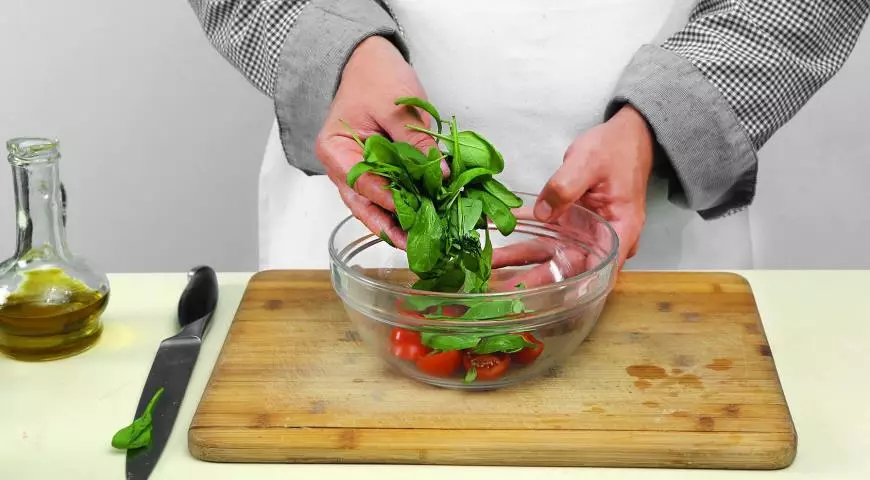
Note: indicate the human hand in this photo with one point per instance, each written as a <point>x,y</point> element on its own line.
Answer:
<point>606,169</point>
<point>376,75</point>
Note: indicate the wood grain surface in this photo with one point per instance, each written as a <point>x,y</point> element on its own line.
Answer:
<point>677,373</point>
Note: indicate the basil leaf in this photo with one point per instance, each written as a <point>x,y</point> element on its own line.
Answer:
<point>424,239</point>
<point>138,433</point>
<point>446,343</point>
<point>466,178</point>
<point>423,104</point>
<point>432,176</point>
<point>383,236</point>
<point>503,218</point>
<point>356,171</point>
<point>414,161</point>
<point>457,168</point>
<point>472,282</point>
<point>476,151</point>
<point>509,343</point>
<point>471,210</point>
<point>493,309</point>
<point>470,375</point>
<point>405,210</point>
<point>486,257</point>
<point>499,191</point>
<point>379,150</point>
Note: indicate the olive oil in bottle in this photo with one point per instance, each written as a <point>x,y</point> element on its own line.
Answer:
<point>50,316</point>
<point>51,301</point>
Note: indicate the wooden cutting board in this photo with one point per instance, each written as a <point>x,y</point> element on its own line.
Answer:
<point>677,373</point>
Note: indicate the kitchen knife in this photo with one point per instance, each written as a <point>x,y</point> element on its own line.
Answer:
<point>172,367</point>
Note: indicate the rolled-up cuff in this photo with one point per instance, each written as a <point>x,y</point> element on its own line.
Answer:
<point>701,143</point>
<point>310,66</point>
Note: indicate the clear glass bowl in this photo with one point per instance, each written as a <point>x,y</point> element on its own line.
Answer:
<point>549,284</point>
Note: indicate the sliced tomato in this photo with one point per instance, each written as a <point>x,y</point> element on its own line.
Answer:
<point>489,366</point>
<point>405,312</point>
<point>529,354</point>
<point>403,335</point>
<point>442,364</point>
<point>409,351</point>
<point>453,311</point>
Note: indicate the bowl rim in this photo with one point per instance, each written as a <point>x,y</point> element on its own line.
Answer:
<point>608,260</point>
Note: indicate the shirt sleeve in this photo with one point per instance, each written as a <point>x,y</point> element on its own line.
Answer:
<point>294,51</point>
<point>719,88</point>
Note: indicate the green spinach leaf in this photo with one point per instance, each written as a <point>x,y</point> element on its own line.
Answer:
<point>497,211</point>
<point>509,343</point>
<point>424,239</point>
<point>423,104</point>
<point>499,191</point>
<point>446,343</point>
<point>138,433</point>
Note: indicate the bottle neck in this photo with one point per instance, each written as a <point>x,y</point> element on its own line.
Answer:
<point>39,211</point>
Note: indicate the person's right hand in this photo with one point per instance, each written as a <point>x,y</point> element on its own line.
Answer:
<point>375,76</point>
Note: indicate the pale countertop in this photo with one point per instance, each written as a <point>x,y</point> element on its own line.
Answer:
<point>57,418</point>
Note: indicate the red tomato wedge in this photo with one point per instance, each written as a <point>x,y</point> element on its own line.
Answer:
<point>409,351</point>
<point>402,335</point>
<point>529,354</point>
<point>489,366</point>
<point>441,364</point>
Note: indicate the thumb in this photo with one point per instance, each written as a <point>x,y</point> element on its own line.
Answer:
<point>566,186</point>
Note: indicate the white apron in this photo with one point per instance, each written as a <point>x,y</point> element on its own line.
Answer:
<point>533,76</point>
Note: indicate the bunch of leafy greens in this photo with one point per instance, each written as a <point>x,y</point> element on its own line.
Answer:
<point>442,215</point>
<point>138,433</point>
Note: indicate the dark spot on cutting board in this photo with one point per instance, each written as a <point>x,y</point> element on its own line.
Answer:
<point>690,381</point>
<point>318,406</point>
<point>642,384</point>
<point>680,414</point>
<point>553,372</point>
<point>731,410</point>
<point>351,336</point>
<point>706,424</point>
<point>596,410</point>
<point>637,336</point>
<point>663,306</point>
<point>651,404</point>
<point>347,440</point>
<point>691,316</point>
<point>274,304</point>
<point>676,371</point>
<point>684,361</point>
<point>646,371</point>
<point>751,328</point>
<point>720,364</point>
<point>764,350</point>
<point>262,420</point>
<point>359,380</point>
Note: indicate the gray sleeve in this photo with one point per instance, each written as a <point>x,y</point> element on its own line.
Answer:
<point>294,51</point>
<point>310,66</point>
<point>719,88</point>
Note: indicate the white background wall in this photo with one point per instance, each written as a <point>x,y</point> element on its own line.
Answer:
<point>162,141</point>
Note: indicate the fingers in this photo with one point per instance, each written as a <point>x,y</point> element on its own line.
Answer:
<point>373,217</point>
<point>570,182</point>
<point>564,263</point>
<point>534,251</point>
<point>628,231</point>
<point>396,126</point>
<point>339,154</point>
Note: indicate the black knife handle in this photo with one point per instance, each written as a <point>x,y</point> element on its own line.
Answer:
<point>199,298</point>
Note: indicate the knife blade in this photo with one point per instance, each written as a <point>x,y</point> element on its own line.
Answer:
<point>172,367</point>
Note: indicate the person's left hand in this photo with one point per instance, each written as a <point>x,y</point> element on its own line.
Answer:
<point>606,169</point>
